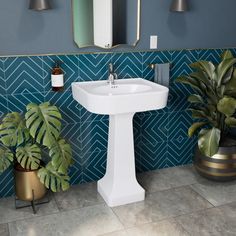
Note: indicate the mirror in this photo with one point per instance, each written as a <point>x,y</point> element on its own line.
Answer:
<point>106,23</point>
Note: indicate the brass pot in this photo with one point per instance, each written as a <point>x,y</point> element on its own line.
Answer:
<point>27,185</point>
<point>220,167</point>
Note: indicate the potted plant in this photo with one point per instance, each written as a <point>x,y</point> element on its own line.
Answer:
<point>23,138</point>
<point>213,106</point>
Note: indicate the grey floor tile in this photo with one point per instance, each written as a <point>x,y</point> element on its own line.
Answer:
<point>164,179</point>
<point>211,222</point>
<point>94,220</point>
<point>78,196</point>
<point>162,228</point>
<point>161,205</point>
<point>216,193</point>
<point>8,213</point>
<point>4,230</point>
<point>117,233</point>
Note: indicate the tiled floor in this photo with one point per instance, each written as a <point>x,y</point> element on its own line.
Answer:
<point>178,202</point>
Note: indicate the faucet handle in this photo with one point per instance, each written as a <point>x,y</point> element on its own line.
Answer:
<point>110,68</point>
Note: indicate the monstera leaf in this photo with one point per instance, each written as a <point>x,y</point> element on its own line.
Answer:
<point>208,141</point>
<point>44,123</point>
<point>52,179</point>
<point>61,155</point>
<point>29,156</point>
<point>6,158</point>
<point>13,131</point>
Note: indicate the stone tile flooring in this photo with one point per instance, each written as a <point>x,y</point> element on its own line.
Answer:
<point>178,202</point>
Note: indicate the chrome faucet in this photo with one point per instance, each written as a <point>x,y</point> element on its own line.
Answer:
<point>112,76</point>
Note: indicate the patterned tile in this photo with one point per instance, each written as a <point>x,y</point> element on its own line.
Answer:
<point>154,58</point>
<point>95,166</point>
<point>153,156</point>
<point>213,55</point>
<point>24,74</point>
<point>69,108</point>
<point>180,151</point>
<point>76,175</point>
<point>179,123</point>
<point>138,159</point>
<point>93,66</point>
<point>3,106</point>
<point>181,60</point>
<point>18,102</point>
<point>69,66</point>
<point>87,116</point>
<point>155,128</point>
<point>127,65</point>
<point>179,93</point>
<point>233,50</point>
<point>7,183</point>
<point>160,137</point>
<point>71,133</point>
<point>178,97</point>
<point>2,78</point>
<point>94,136</point>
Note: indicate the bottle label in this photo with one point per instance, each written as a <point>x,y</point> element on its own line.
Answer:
<point>57,80</point>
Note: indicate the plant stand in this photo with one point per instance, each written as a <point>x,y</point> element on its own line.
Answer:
<point>32,203</point>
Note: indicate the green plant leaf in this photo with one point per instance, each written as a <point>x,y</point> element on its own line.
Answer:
<point>189,81</point>
<point>44,123</point>
<point>206,66</point>
<point>198,114</point>
<point>194,98</point>
<point>52,179</point>
<point>29,156</point>
<point>227,106</point>
<point>227,54</point>
<point>230,86</point>
<point>195,127</point>
<point>61,155</point>
<point>13,131</point>
<point>230,121</point>
<point>223,68</point>
<point>228,76</point>
<point>208,141</point>
<point>201,76</point>
<point>6,158</point>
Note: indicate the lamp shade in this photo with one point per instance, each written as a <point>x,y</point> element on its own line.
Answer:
<point>179,5</point>
<point>39,5</point>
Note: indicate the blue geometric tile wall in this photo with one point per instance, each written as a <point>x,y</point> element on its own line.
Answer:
<point>160,136</point>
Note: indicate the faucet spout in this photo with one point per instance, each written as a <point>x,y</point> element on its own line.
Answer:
<point>112,76</point>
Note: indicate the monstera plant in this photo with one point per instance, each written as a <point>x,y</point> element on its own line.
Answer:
<point>213,102</point>
<point>23,138</point>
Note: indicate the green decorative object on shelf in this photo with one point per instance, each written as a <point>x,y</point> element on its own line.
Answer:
<point>24,137</point>
<point>213,107</point>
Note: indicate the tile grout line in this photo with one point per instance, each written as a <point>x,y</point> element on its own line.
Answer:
<point>203,196</point>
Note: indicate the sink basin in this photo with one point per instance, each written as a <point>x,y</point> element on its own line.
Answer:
<point>127,95</point>
<point>120,101</point>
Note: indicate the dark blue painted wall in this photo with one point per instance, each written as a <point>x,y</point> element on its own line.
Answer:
<point>209,24</point>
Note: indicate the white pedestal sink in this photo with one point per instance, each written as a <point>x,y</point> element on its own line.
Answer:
<point>120,101</point>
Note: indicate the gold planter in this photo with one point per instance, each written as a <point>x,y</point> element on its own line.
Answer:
<point>27,185</point>
<point>220,167</point>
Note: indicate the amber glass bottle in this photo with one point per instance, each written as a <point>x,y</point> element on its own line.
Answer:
<point>57,78</point>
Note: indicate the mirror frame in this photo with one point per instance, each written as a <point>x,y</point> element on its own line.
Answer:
<point>117,45</point>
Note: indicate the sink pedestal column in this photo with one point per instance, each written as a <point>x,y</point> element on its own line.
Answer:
<point>119,186</point>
